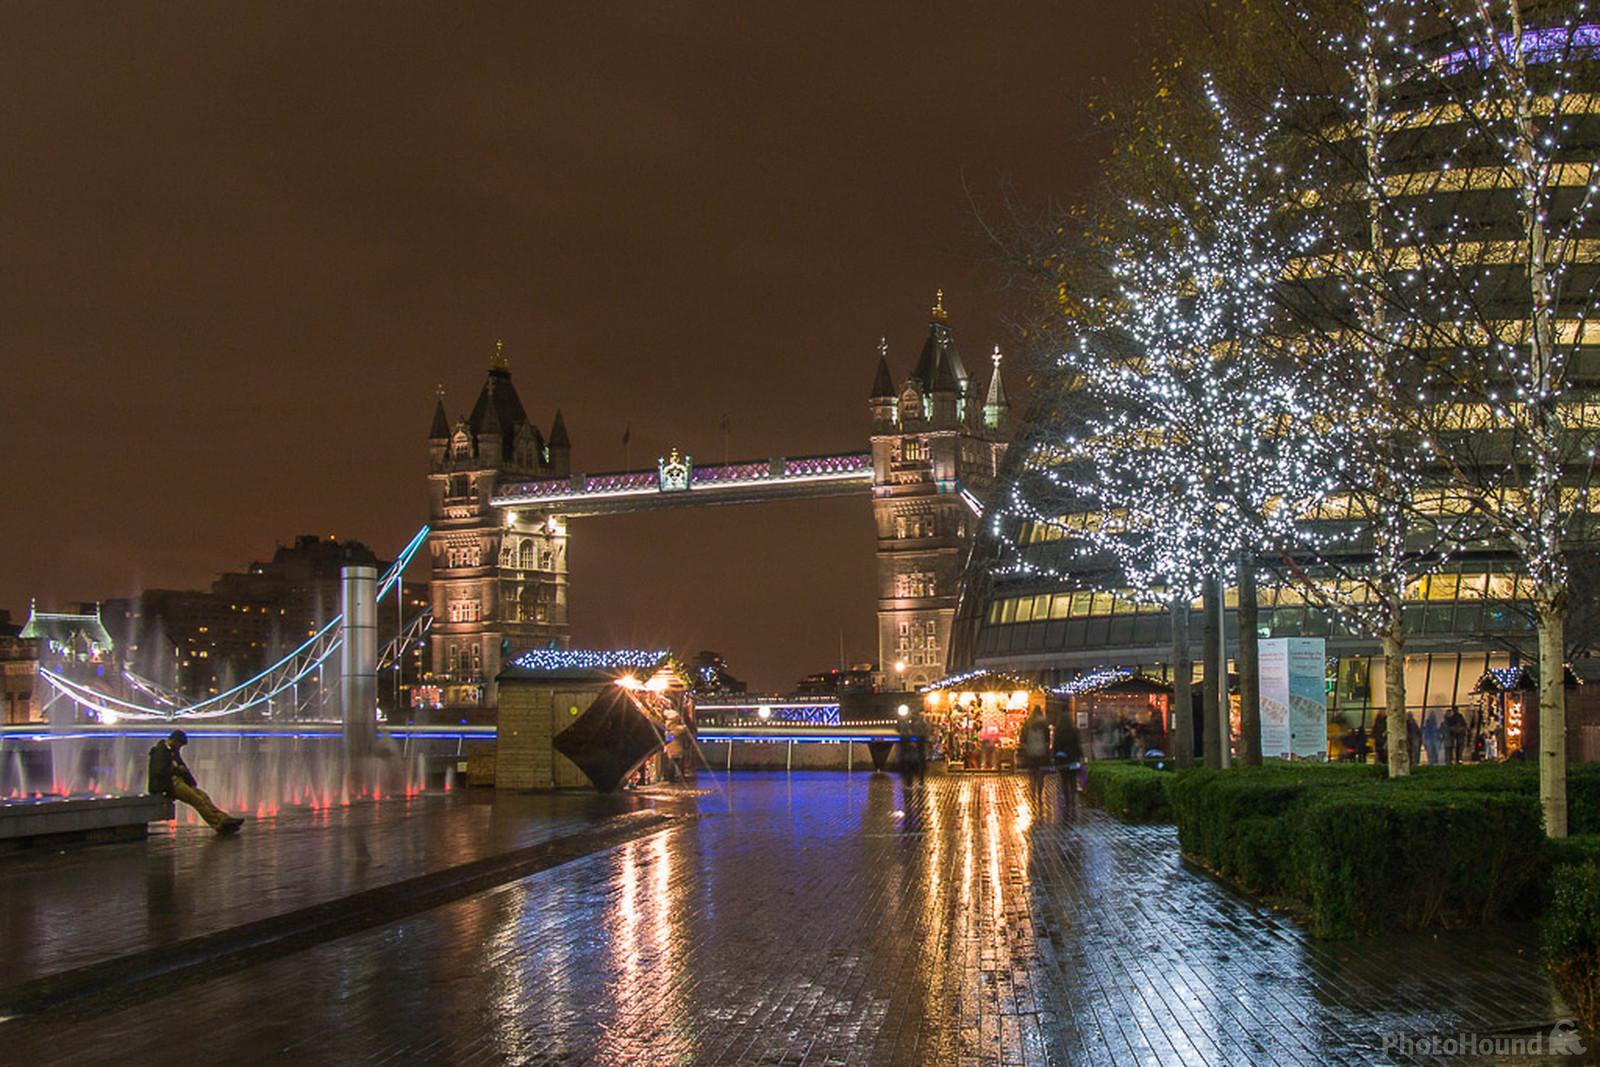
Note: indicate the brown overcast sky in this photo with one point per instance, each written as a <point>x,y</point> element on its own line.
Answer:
<point>241,243</point>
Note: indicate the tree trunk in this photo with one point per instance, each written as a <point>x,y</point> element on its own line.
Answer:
<point>1210,632</point>
<point>1394,694</point>
<point>1182,686</point>
<point>1249,662</point>
<point>1553,716</point>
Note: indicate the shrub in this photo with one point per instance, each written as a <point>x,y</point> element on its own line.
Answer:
<point>1361,854</point>
<point>1570,934</point>
<point>1210,807</point>
<point>1382,858</point>
<point>1521,776</point>
<point>1134,792</point>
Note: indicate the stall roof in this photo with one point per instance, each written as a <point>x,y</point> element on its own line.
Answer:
<point>1113,680</point>
<point>1517,680</point>
<point>981,681</point>
<point>587,664</point>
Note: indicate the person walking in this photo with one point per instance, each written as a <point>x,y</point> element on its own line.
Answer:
<point>1380,737</point>
<point>1413,740</point>
<point>919,743</point>
<point>1456,726</point>
<point>1035,745</point>
<point>911,751</point>
<point>1433,733</point>
<point>171,777</point>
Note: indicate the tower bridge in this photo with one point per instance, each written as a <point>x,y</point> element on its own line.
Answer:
<point>503,494</point>
<point>677,481</point>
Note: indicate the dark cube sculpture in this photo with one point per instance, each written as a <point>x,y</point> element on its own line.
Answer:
<point>610,739</point>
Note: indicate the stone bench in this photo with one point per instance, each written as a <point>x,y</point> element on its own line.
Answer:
<point>112,818</point>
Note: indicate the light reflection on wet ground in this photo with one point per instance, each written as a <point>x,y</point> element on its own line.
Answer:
<point>64,909</point>
<point>822,918</point>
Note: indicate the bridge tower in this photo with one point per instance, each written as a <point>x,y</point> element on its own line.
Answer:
<point>935,443</point>
<point>496,590</point>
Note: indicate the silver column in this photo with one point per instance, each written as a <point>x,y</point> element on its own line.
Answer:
<point>358,658</point>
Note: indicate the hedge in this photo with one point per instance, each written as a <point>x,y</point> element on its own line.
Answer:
<point>1376,859</point>
<point>1570,933</point>
<point>1131,791</point>
<point>1583,786</point>
<point>1360,855</point>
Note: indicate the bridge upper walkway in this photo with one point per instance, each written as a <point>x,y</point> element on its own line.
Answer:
<point>676,482</point>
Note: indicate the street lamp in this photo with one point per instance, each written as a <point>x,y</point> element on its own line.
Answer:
<point>900,673</point>
<point>902,711</point>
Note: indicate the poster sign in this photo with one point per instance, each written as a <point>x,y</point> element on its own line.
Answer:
<point>1274,663</point>
<point>1294,705</point>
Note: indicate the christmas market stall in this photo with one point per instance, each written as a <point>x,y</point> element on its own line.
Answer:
<point>977,716</point>
<point>1505,722</point>
<point>1119,714</point>
<point>577,717</point>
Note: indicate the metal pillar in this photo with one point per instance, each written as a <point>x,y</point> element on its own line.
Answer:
<point>358,658</point>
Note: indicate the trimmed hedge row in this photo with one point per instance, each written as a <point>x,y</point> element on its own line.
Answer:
<point>1360,855</point>
<point>1583,786</point>
<point>1569,932</point>
<point>1132,791</point>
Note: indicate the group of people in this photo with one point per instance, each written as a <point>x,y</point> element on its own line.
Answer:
<point>1446,737</point>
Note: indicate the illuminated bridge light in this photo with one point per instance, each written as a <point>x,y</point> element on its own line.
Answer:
<point>847,468</point>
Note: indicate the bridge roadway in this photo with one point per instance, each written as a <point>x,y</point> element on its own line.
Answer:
<point>675,482</point>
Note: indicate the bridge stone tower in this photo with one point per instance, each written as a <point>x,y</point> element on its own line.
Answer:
<point>935,443</point>
<point>495,590</point>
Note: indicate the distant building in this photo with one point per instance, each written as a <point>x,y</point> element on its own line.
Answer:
<point>711,675</point>
<point>835,681</point>
<point>496,592</point>
<point>74,644</point>
<point>200,642</point>
<point>19,660</point>
<point>937,443</point>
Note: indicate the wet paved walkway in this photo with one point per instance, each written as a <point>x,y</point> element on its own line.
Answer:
<point>830,919</point>
<point>66,909</point>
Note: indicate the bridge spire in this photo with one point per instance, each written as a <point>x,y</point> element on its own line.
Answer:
<point>994,407</point>
<point>441,424</point>
<point>498,360</point>
<point>939,313</point>
<point>883,383</point>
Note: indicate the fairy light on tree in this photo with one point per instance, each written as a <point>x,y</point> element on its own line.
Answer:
<point>1189,433</point>
<point>1481,276</point>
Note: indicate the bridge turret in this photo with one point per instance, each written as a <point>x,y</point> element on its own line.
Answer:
<point>560,448</point>
<point>490,431</point>
<point>882,399</point>
<point>947,394</point>
<point>996,408</point>
<point>439,435</point>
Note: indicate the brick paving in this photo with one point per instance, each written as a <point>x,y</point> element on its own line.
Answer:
<point>61,909</point>
<point>833,919</point>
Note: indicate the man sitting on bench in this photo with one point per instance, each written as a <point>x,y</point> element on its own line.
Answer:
<point>171,777</point>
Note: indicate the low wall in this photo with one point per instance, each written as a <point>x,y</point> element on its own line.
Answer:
<point>80,819</point>
<point>788,755</point>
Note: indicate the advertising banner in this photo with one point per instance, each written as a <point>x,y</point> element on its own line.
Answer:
<point>1274,677</point>
<point>1308,697</point>
<point>1294,703</point>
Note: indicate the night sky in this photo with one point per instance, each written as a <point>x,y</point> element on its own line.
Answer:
<point>241,244</point>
